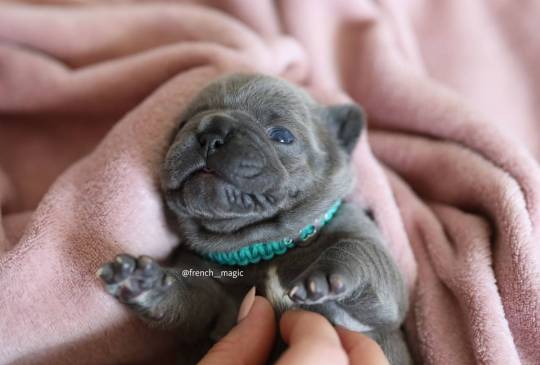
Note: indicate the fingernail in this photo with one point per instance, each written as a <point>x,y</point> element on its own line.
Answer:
<point>246,305</point>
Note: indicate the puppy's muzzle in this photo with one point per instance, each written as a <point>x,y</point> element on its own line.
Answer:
<point>239,153</point>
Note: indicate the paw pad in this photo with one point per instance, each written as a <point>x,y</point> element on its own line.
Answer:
<point>127,278</point>
<point>317,287</point>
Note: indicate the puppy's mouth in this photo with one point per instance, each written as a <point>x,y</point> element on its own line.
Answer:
<point>203,171</point>
<point>208,193</point>
<point>206,170</point>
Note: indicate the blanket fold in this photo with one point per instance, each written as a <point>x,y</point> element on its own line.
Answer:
<point>90,93</point>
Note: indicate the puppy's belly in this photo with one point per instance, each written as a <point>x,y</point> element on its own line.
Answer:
<point>281,302</point>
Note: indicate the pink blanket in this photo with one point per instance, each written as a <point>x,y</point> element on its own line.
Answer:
<point>90,92</point>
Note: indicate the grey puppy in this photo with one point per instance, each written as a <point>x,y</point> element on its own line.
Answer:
<point>254,178</point>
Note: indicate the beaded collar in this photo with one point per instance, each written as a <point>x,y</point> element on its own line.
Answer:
<point>255,252</point>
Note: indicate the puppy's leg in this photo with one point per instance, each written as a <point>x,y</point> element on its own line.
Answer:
<point>354,283</point>
<point>162,297</point>
<point>394,347</point>
<point>356,277</point>
<point>141,284</point>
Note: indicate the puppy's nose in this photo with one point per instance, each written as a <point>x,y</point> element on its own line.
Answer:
<point>214,135</point>
<point>210,142</point>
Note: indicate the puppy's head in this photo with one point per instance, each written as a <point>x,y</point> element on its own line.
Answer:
<point>251,147</point>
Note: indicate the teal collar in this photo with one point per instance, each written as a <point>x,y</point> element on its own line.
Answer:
<point>255,252</point>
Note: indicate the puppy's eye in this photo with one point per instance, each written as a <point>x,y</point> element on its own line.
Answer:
<point>281,135</point>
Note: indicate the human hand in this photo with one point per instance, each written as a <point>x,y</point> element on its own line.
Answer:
<point>311,339</point>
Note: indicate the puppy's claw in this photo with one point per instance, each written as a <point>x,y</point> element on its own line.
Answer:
<point>105,273</point>
<point>125,265</point>
<point>312,286</point>
<point>147,265</point>
<point>297,293</point>
<point>168,280</point>
<point>293,291</point>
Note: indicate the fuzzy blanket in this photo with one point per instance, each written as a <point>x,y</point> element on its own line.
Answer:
<point>89,93</point>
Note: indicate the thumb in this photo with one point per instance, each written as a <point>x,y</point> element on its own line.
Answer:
<point>250,342</point>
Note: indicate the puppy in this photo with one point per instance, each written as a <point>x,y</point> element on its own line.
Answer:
<point>255,178</point>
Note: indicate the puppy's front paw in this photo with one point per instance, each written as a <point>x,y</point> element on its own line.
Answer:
<point>319,285</point>
<point>128,278</point>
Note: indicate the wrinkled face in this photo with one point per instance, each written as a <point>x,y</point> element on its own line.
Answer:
<point>249,146</point>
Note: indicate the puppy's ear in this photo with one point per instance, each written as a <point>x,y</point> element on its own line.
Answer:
<point>346,123</point>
